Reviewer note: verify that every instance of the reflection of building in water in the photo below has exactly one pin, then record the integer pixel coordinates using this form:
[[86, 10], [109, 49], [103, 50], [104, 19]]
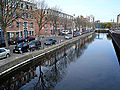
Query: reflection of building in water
[[57, 61], [54, 57], [18, 80]]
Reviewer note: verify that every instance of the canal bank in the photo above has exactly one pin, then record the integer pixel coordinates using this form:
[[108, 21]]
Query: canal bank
[[90, 64], [8, 67], [115, 35]]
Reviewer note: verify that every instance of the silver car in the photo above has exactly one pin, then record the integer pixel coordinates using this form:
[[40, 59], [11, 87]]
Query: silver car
[[4, 53], [68, 36]]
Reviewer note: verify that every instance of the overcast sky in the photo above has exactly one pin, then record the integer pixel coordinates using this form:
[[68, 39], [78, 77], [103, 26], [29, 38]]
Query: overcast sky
[[103, 10]]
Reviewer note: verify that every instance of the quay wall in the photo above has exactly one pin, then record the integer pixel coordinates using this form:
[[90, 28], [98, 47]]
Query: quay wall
[[31, 57]]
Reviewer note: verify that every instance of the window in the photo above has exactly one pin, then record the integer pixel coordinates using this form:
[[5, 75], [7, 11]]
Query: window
[[26, 15], [57, 25], [12, 34], [50, 25], [31, 33], [21, 35], [51, 31], [27, 7], [31, 7], [58, 30], [31, 24], [17, 34], [25, 24], [45, 18], [46, 25], [17, 13], [22, 15], [31, 16], [11, 24], [17, 24], [46, 31]]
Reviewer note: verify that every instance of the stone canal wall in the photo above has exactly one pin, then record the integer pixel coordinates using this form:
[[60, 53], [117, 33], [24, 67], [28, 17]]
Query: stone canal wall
[[115, 35], [21, 61]]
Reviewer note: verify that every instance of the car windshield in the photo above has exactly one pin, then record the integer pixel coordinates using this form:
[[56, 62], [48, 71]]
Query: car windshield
[[49, 40], [68, 35], [2, 50], [32, 42], [20, 45]]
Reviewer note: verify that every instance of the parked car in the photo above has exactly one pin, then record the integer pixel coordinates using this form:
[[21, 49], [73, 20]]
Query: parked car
[[20, 48], [17, 40], [4, 53], [65, 32], [69, 36], [50, 41], [34, 45], [75, 35], [28, 39]]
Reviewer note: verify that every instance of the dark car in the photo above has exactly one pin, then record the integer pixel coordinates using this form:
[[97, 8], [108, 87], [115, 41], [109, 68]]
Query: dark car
[[75, 35], [17, 40], [20, 48], [78, 34], [50, 41], [34, 45], [28, 39]]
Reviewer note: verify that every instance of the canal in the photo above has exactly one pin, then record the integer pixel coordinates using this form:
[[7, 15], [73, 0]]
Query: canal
[[87, 64]]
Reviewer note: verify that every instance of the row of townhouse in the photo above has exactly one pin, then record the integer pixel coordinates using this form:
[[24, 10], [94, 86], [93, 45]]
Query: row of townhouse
[[27, 26]]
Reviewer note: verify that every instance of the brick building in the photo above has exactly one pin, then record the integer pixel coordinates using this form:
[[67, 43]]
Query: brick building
[[23, 26], [27, 26], [63, 21]]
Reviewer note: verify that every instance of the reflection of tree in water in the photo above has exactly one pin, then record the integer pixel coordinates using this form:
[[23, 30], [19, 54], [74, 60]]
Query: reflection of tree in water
[[54, 74], [47, 79], [54, 71], [108, 37], [79, 48]]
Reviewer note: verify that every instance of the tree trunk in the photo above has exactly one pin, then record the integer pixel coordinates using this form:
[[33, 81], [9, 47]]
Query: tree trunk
[[5, 38], [39, 33]]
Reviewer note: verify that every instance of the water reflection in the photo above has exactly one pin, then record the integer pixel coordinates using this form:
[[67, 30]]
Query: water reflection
[[47, 73]]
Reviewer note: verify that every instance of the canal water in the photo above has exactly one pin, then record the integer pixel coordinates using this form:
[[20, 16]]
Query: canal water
[[88, 64]]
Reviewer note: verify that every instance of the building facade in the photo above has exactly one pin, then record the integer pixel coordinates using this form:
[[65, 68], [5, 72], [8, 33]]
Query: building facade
[[27, 25], [57, 21], [24, 26], [91, 18], [118, 19]]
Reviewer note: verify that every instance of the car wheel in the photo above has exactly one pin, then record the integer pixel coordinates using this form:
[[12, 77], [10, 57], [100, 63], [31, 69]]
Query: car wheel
[[21, 52], [28, 50], [7, 55]]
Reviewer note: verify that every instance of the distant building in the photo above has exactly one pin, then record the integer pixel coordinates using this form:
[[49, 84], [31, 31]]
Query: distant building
[[84, 19], [98, 21], [91, 18], [118, 19]]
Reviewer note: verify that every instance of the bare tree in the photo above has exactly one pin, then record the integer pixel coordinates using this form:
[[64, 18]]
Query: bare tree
[[78, 23], [40, 14], [54, 17], [8, 14]]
